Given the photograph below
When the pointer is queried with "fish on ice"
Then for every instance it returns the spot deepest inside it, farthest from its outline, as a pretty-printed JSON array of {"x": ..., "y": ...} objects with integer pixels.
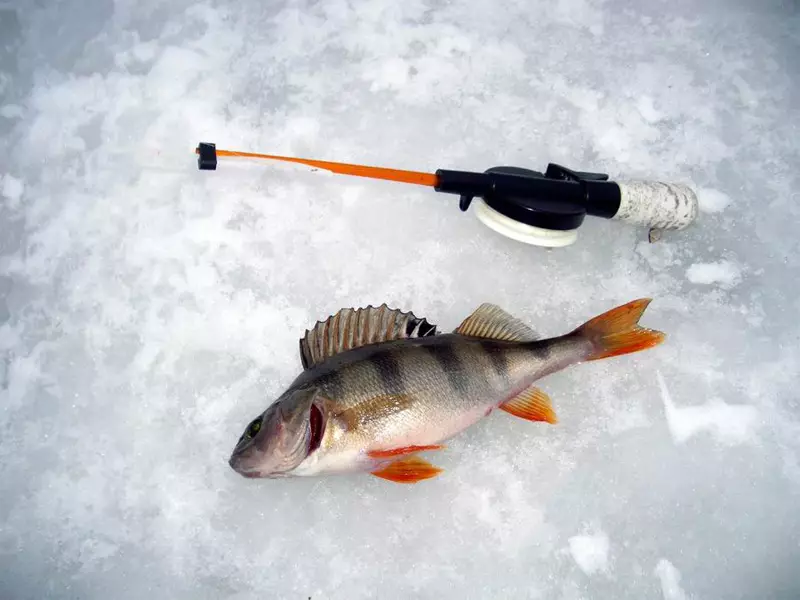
[{"x": 380, "y": 385}]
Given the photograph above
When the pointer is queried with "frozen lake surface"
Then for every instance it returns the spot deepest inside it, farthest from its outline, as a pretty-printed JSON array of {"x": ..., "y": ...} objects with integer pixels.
[{"x": 148, "y": 311}]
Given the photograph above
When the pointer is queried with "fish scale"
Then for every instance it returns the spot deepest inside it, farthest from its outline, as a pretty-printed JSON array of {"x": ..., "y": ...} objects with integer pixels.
[{"x": 384, "y": 388}]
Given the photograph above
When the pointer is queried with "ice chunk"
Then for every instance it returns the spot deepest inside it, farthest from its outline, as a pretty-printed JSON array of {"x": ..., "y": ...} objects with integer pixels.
[
  {"x": 590, "y": 552},
  {"x": 711, "y": 200},
  {"x": 11, "y": 188},
  {"x": 10, "y": 111},
  {"x": 390, "y": 74},
  {"x": 728, "y": 424},
  {"x": 725, "y": 273},
  {"x": 670, "y": 579},
  {"x": 648, "y": 110}
]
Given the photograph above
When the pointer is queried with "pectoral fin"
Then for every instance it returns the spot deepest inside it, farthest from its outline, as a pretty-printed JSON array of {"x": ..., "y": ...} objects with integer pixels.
[
  {"x": 531, "y": 404},
  {"x": 409, "y": 469}
]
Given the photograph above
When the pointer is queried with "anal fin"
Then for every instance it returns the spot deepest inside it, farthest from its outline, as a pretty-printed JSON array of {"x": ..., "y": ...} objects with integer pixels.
[
  {"x": 409, "y": 469},
  {"x": 531, "y": 404}
]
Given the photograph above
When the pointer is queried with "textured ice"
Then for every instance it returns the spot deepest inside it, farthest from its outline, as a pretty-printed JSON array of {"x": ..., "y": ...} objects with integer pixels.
[{"x": 148, "y": 310}]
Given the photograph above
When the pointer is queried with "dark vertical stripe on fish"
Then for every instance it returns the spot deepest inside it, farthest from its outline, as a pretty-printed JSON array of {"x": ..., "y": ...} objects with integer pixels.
[
  {"x": 389, "y": 371},
  {"x": 333, "y": 383},
  {"x": 497, "y": 354},
  {"x": 541, "y": 348},
  {"x": 451, "y": 364}
]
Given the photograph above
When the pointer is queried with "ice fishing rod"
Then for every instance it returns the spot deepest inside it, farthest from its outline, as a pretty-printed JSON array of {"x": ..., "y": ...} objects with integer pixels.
[{"x": 543, "y": 209}]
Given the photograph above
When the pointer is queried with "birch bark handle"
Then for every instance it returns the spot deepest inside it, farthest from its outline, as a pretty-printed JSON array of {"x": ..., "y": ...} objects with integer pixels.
[{"x": 656, "y": 205}]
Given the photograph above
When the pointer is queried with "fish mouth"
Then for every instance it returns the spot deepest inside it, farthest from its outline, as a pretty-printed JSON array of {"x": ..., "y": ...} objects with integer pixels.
[
  {"x": 244, "y": 467},
  {"x": 250, "y": 474},
  {"x": 236, "y": 465}
]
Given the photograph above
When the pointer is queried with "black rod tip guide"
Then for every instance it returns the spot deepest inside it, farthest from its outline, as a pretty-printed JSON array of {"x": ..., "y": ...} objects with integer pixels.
[{"x": 207, "y": 157}]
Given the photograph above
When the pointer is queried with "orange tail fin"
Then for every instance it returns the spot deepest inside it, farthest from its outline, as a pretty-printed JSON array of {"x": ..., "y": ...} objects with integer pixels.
[{"x": 617, "y": 331}]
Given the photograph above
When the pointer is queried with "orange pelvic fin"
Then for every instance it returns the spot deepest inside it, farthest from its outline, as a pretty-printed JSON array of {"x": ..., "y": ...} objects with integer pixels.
[
  {"x": 617, "y": 331},
  {"x": 410, "y": 469},
  {"x": 401, "y": 451},
  {"x": 531, "y": 404}
]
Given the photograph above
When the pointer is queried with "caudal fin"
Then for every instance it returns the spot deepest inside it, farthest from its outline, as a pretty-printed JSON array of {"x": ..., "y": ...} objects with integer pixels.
[{"x": 617, "y": 331}]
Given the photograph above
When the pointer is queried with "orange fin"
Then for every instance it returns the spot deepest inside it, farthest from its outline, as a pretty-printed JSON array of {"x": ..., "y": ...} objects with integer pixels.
[
  {"x": 492, "y": 322},
  {"x": 408, "y": 470},
  {"x": 400, "y": 451},
  {"x": 531, "y": 404},
  {"x": 617, "y": 331}
]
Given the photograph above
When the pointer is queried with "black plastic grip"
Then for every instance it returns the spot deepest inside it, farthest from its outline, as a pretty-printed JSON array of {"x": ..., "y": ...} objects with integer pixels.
[
  {"x": 601, "y": 198},
  {"x": 521, "y": 190},
  {"x": 464, "y": 183}
]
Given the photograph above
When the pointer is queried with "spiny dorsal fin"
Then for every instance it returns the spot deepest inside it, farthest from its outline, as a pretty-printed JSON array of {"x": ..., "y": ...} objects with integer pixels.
[
  {"x": 492, "y": 322},
  {"x": 352, "y": 328}
]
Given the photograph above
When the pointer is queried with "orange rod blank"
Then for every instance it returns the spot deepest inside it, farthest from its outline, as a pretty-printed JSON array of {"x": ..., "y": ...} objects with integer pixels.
[{"x": 400, "y": 175}]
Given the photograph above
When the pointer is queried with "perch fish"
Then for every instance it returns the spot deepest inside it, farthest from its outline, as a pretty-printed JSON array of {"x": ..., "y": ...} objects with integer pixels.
[{"x": 380, "y": 385}]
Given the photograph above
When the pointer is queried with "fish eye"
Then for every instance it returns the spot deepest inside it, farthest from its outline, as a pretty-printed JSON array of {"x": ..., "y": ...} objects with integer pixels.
[{"x": 254, "y": 427}]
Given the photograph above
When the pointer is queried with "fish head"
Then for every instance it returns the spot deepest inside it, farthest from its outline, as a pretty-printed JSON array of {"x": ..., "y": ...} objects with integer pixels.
[{"x": 282, "y": 437}]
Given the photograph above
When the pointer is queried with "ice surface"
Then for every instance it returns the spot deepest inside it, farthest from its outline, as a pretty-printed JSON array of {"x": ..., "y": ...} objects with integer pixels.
[{"x": 148, "y": 310}]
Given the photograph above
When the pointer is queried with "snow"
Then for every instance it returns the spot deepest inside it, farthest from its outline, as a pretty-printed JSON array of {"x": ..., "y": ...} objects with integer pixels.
[
  {"x": 148, "y": 311},
  {"x": 590, "y": 552},
  {"x": 724, "y": 272},
  {"x": 729, "y": 424},
  {"x": 712, "y": 201},
  {"x": 11, "y": 189},
  {"x": 10, "y": 111},
  {"x": 670, "y": 579}
]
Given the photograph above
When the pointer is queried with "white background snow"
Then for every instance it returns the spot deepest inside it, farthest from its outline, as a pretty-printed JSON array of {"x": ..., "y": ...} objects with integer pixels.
[{"x": 149, "y": 310}]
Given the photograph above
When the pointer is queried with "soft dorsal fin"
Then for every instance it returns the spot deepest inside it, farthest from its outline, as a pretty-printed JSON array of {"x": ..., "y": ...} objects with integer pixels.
[
  {"x": 492, "y": 322},
  {"x": 352, "y": 328}
]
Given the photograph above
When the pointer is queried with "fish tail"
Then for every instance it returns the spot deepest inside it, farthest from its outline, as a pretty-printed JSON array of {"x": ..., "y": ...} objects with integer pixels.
[{"x": 617, "y": 331}]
